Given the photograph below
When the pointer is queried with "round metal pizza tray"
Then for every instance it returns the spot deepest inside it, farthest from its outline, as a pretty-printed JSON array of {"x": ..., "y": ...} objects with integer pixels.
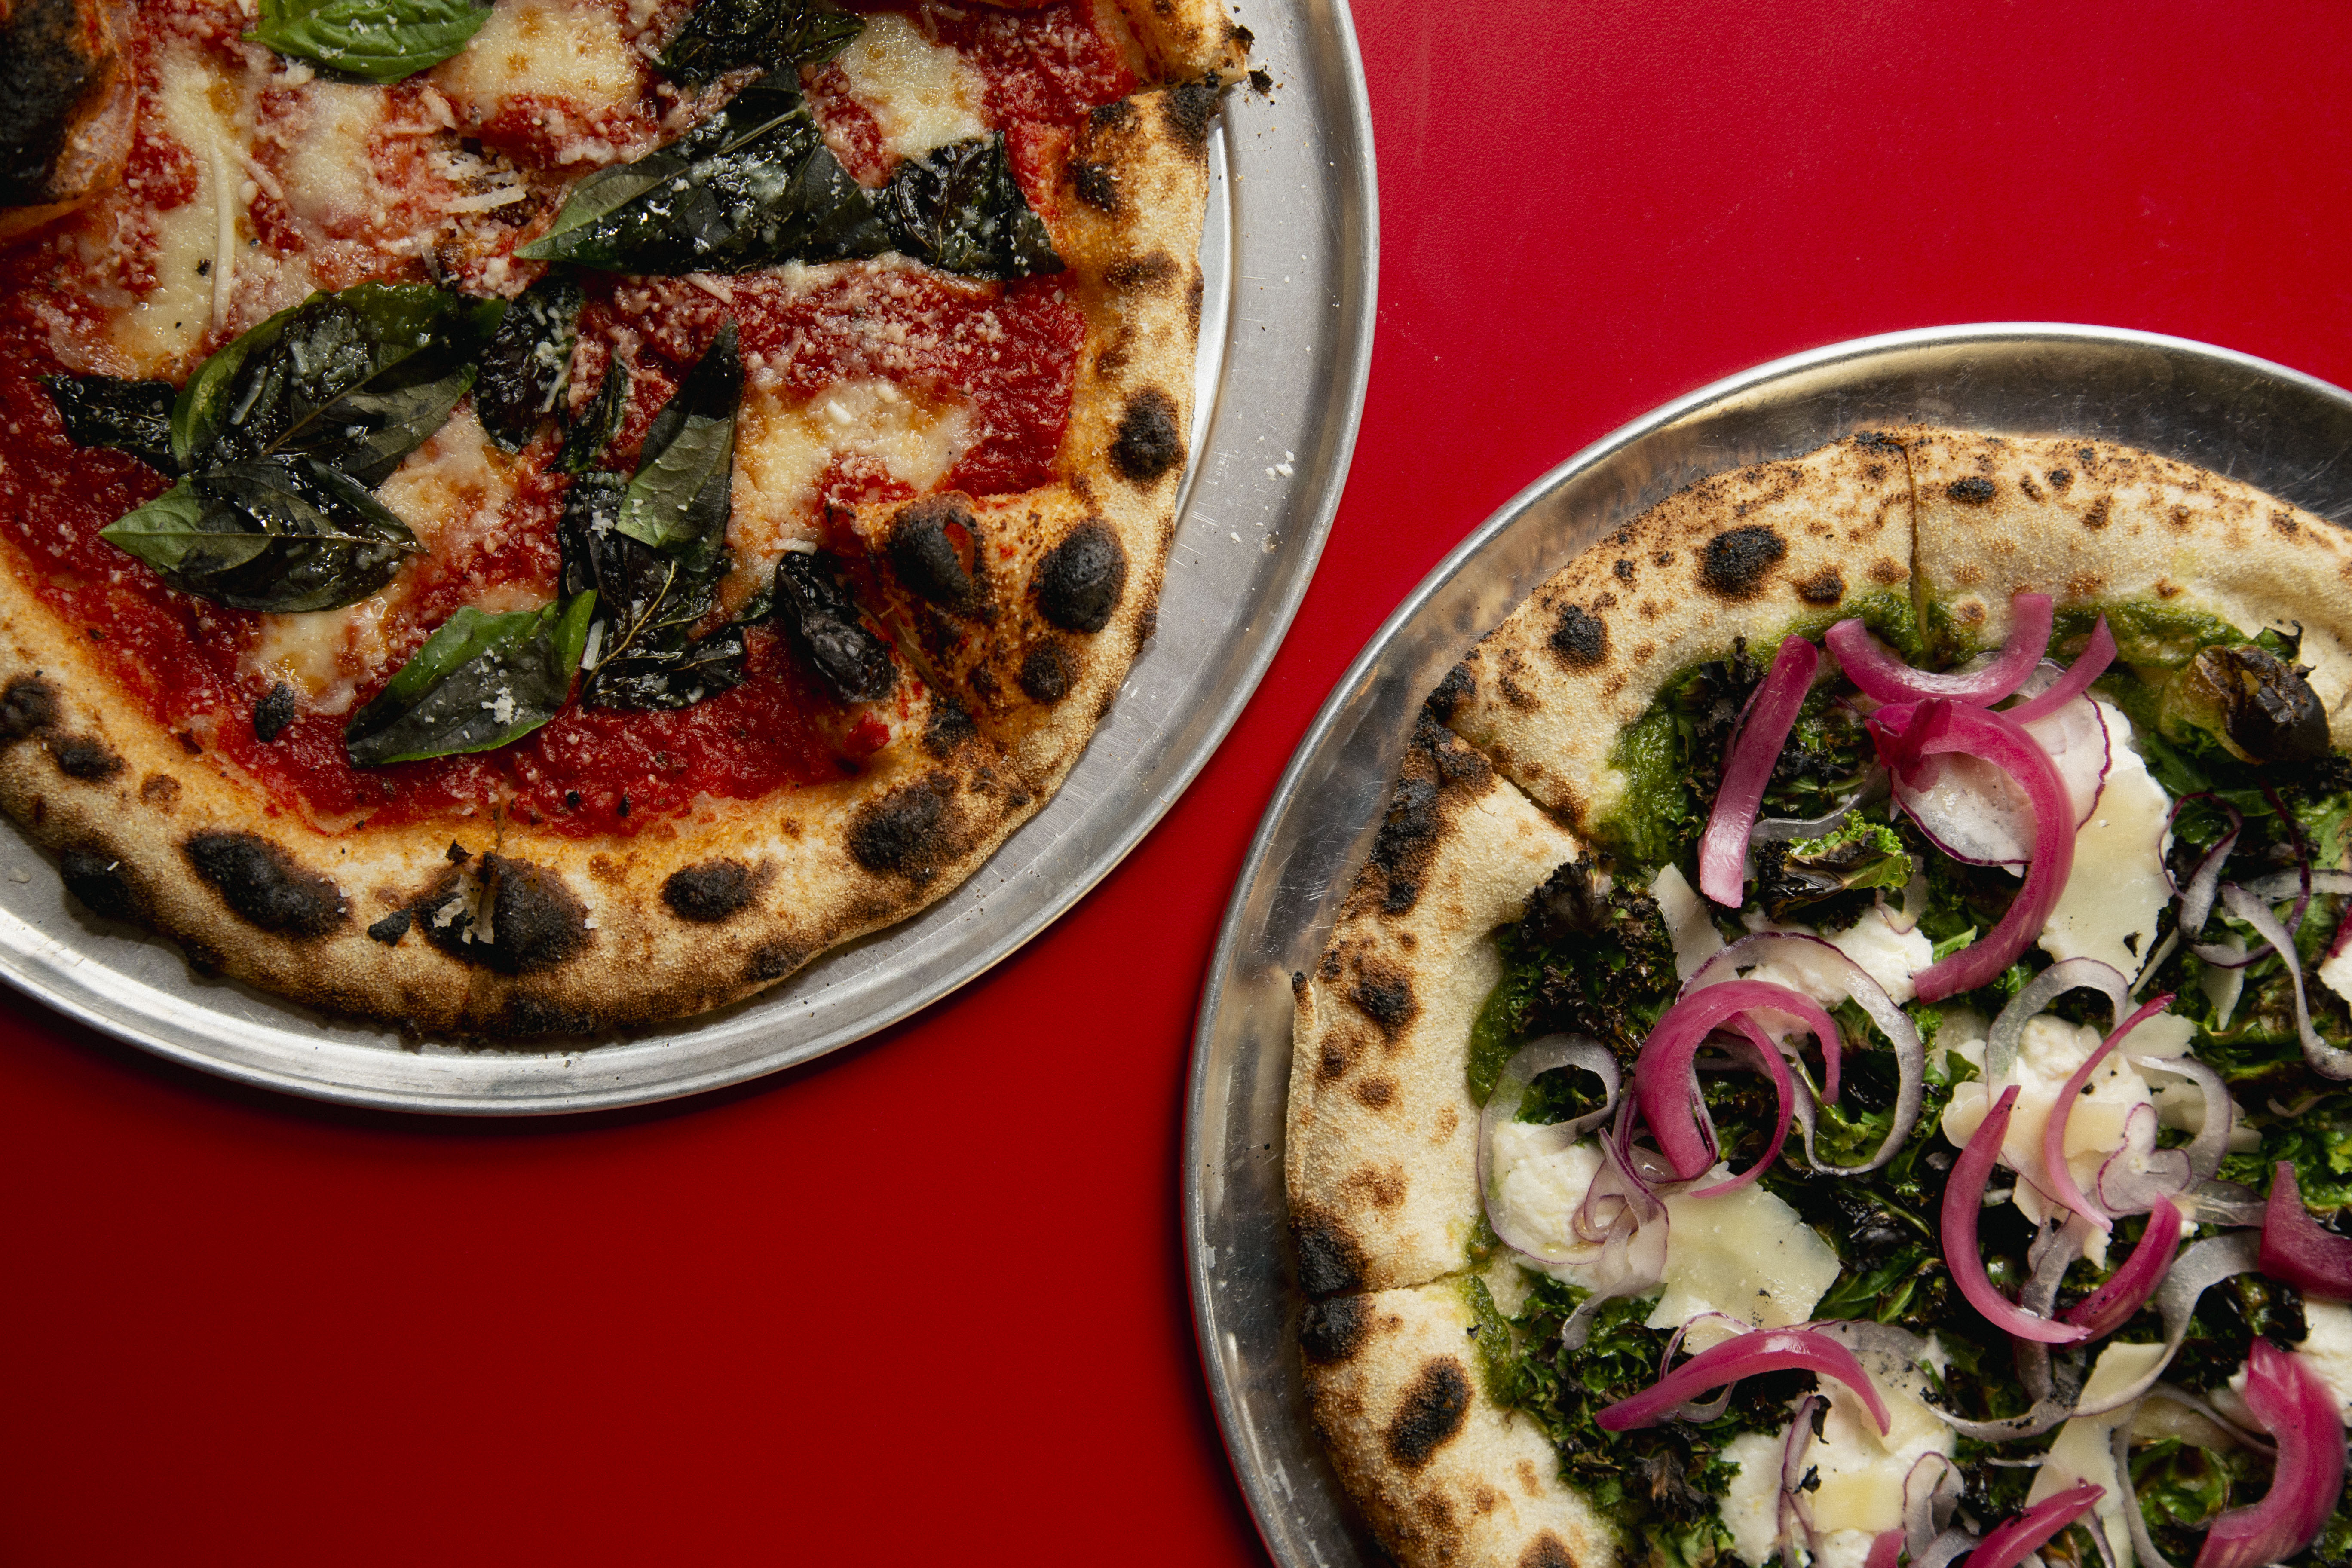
[
  {"x": 2287, "y": 433},
  {"x": 1289, "y": 256}
]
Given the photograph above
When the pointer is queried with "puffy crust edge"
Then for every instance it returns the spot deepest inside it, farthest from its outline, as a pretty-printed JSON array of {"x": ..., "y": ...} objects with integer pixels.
[
  {"x": 1745, "y": 553},
  {"x": 1445, "y": 1474},
  {"x": 1381, "y": 1152}
]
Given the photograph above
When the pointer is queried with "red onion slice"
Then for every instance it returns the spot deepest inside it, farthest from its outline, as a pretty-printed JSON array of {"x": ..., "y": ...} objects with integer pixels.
[
  {"x": 2299, "y": 1411},
  {"x": 1625, "y": 1217},
  {"x": 2143, "y": 1548},
  {"x": 2013, "y": 1541},
  {"x": 2197, "y": 1269},
  {"x": 2205, "y": 1152},
  {"x": 1763, "y": 731},
  {"x": 2088, "y": 665},
  {"x": 1784, "y": 1092},
  {"x": 2300, "y": 1250},
  {"x": 1931, "y": 1491},
  {"x": 1963, "y": 1198},
  {"x": 2288, "y": 884},
  {"x": 1878, "y": 672},
  {"x": 1503, "y": 1103},
  {"x": 1823, "y": 967},
  {"x": 1767, "y": 1350},
  {"x": 2325, "y": 1059},
  {"x": 1940, "y": 728},
  {"x": 2139, "y": 1172},
  {"x": 2060, "y": 1176},
  {"x": 2106, "y": 1309},
  {"x": 1666, "y": 1084},
  {"x": 1886, "y": 1550},
  {"x": 1796, "y": 1511},
  {"x": 2066, "y": 974},
  {"x": 1973, "y": 811}
]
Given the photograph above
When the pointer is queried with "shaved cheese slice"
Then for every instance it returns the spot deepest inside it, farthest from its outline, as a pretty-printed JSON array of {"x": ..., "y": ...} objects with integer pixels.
[
  {"x": 1744, "y": 1254},
  {"x": 570, "y": 55},
  {"x": 921, "y": 94},
  {"x": 2109, "y": 908},
  {"x": 1695, "y": 937}
]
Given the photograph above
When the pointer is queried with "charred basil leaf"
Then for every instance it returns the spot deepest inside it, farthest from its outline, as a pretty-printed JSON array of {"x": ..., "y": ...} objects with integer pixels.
[
  {"x": 375, "y": 40},
  {"x": 654, "y": 548},
  {"x": 959, "y": 208},
  {"x": 721, "y": 35},
  {"x": 817, "y": 613},
  {"x": 479, "y": 682},
  {"x": 753, "y": 184},
  {"x": 280, "y": 535},
  {"x": 528, "y": 362},
  {"x": 133, "y": 416},
  {"x": 679, "y": 500},
  {"x": 356, "y": 380},
  {"x": 586, "y": 438}
]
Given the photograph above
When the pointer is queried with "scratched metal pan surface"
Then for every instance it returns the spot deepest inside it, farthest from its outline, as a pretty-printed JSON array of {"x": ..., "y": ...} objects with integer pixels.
[
  {"x": 2287, "y": 433},
  {"x": 1289, "y": 261}
]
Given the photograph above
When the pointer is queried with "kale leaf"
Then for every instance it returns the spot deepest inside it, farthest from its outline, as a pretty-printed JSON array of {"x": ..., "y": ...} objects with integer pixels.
[{"x": 1825, "y": 879}]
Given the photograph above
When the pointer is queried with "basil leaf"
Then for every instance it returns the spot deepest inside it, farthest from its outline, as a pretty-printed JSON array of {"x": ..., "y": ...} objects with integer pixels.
[
  {"x": 586, "y": 438},
  {"x": 678, "y": 501},
  {"x": 753, "y": 184},
  {"x": 479, "y": 682},
  {"x": 720, "y": 34},
  {"x": 822, "y": 621},
  {"x": 280, "y": 535},
  {"x": 529, "y": 361},
  {"x": 376, "y": 40},
  {"x": 357, "y": 380},
  {"x": 643, "y": 652},
  {"x": 959, "y": 208},
  {"x": 133, "y": 416}
]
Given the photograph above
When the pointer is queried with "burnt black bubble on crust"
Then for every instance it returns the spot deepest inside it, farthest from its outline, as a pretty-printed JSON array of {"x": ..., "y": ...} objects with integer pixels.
[
  {"x": 1434, "y": 1409},
  {"x": 1081, "y": 580},
  {"x": 1974, "y": 490},
  {"x": 97, "y": 879},
  {"x": 1047, "y": 673},
  {"x": 1581, "y": 640},
  {"x": 1329, "y": 1261},
  {"x": 1191, "y": 106},
  {"x": 905, "y": 831},
  {"x": 1148, "y": 443},
  {"x": 265, "y": 884},
  {"x": 1332, "y": 1332},
  {"x": 27, "y": 707},
  {"x": 711, "y": 891},
  {"x": 923, "y": 551},
  {"x": 1096, "y": 186},
  {"x": 1735, "y": 561},
  {"x": 79, "y": 757},
  {"x": 536, "y": 923}
]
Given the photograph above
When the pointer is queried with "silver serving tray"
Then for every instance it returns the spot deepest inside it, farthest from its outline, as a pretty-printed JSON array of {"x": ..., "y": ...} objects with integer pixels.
[
  {"x": 1288, "y": 254},
  {"x": 2285, "y": 432}
]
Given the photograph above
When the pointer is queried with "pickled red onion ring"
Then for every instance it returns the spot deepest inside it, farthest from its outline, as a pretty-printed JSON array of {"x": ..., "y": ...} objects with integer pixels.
[
  {"x": 1963, "y": 1198},
  {"x": 2298, "y": 1410},
  {"x": 2091, "y": 664},
  {"x": 1665, "y": 1082},
  {"x": 2300, "y": 1250},
  {"x": 2105, "y": 1310},
  {"x": 1906, "y": 733},
  {"x": 1745, "y": 1355},
  {"x": 1763, "y": 731},
  {"x": 2013, "y": 1541},
  {"x": 2061, "y": 1184},
  {"x": 1878, "y": 672}
]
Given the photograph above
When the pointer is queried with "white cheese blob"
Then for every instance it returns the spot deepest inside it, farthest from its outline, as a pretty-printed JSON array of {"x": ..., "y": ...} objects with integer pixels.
[
  {"x": 569, "y": 55},
  {"x": 1695, "y": 937},
  {"x": 1538, "y": 1188},
  {"x": 1744, "y": 1254},
  {"x": 2082, "y": 1450},
  {"x": 2326, "y": 1347},
  {"x": 921, "y": 94},
  {"x": 1750, "y": 1509},
  {"x": 1889, "y": 956},
  {"x": 2118, "y": 888},
  {"x": 2047, "y": 1055},
  {"x": 201, "y": 112},
  {"x": 330, "y": 178},
  {"x": 2336, "y": 972}
]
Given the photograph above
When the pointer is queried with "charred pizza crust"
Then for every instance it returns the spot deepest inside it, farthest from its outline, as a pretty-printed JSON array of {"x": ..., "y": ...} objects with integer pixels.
[
  {"x": 501, "y": 929},
  {"x": 1954, "y": 523}
]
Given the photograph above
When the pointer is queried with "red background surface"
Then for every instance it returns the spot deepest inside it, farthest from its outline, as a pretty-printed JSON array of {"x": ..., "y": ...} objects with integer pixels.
[{"x": 926, "y": 1298}]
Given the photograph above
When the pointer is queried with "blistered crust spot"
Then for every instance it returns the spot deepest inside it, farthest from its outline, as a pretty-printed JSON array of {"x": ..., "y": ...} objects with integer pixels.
[
  {"x": 1385, "y": 995},
  {"x": 1434, "y": 1409},
  {"x": 161, "y": 791},
  {"x": 1329, "y": 1261},
  {"x": 1149, "y": 442},
  {"x": 1081, "y": 580},
  {"x": 1580, "y": 640},
  {"x": 905, "y": 831},
  {"x": 1152, "y": 274},
  {"x": 27, "y": 707},
  {"x": 1547, "y": 1551},
  {"x": 1824, "y": 587},
  {"x": 1047, "y": 673},
  {"x": 265, "y": 884},
  {"x": 1735, "y": 561},
  {"x": 1190, "y": 106},
  {"x": 924, "y": 551},
  {"x": 79, "y": 757},
  {"x": 100, "y": 882},
  {"x": 947, "y": 729},
  {"x": 713, "y": 891},
  {"x": 536, "y": 922},
  {"x": 1974, "y": 490},
  {"x": 774, "y": 961},
  {"x": 1332, "y": 1332},
  {"x": 1095, "y": 185},
  {"x": 1457, "y": 687}
]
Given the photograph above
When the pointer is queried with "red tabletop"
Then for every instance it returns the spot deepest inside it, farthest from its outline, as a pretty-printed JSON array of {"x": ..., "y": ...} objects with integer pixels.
[{"x": 925, "y": 1299}]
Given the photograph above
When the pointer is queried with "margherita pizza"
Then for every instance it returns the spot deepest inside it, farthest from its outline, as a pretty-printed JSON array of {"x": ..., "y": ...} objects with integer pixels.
[
  {"x": 1841, "y": 1050},
  {"x": 545, "y": 515}
]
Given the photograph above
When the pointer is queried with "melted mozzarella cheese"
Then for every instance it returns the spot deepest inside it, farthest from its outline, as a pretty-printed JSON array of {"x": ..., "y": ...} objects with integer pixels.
[
  {"x": 921, "y": 94},
  {"x": 328, "y": 177},
  {"x": 1889, "y": 956},
  {"x": 325, "y": 653},
  {"x": 1750, "y": 1510},
  {"x": 2118, "y": 888},
  {"x": 200, "y": 111},
  {"x": 1538, "y": 1188},
  {"x": 572, "y": 53},
  {"x": 1744, "y": 1254},
  {"x": 1695, "y": 937},
  {"x": 2326, "y": 1347}
]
